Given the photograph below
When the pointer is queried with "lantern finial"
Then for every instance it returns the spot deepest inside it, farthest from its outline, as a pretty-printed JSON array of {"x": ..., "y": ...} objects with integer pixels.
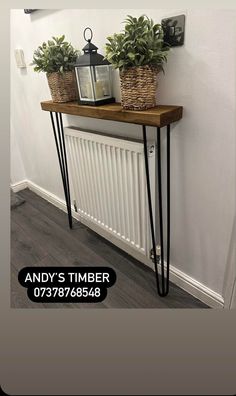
[{"x": 91, "y": 34}]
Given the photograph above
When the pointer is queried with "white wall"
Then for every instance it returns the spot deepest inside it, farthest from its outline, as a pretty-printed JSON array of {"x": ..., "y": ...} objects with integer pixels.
[{"x": 200, "y": 76}]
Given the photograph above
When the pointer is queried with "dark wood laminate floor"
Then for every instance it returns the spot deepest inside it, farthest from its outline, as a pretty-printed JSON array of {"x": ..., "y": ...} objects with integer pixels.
[{"x": 40, "y": 237}]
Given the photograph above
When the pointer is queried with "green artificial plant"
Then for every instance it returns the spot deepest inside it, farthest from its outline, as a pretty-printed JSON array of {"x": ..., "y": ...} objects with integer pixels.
[
  {"x": 141, "y": 43},
  {"x": 57, "y": 55}
]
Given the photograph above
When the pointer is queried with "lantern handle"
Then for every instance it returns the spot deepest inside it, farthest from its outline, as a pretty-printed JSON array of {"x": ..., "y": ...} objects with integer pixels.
[{"x": 91, "y": 33}]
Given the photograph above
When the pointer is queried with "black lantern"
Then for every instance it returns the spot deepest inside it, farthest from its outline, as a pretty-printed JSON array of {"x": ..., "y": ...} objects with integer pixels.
[{"x": 93, "y": 75}]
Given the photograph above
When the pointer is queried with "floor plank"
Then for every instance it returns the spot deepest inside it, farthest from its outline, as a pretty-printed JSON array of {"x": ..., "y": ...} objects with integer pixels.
[
  {"x": 41, "y": 237},
  {"x": 24, "y": 250}
]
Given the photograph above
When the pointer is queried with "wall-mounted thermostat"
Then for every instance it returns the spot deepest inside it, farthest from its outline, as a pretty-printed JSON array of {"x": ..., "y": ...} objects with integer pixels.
[
  {"x": 20, "y": 58},
  {"x": 174, "y": 29}
]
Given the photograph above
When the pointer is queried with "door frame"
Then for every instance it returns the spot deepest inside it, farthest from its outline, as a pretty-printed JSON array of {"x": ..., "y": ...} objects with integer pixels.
[{"x": 229, "y": 287}]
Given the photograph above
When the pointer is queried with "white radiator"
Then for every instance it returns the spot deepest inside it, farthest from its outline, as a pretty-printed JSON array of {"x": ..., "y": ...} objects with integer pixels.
[{"x": 108, "y": 187}]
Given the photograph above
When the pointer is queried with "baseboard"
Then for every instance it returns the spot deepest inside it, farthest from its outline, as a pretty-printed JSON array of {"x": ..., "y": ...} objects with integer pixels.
[
  {"x": 48, "y": 196},
  {"x": 196, "y": 289},
  {"x": 19, "y": 185},
  {"x": 184, "y": 281}
]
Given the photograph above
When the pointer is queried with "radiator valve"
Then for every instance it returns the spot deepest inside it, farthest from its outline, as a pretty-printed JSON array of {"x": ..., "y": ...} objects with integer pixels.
[
  {"x": 158, "y": 254},
  {"x": 75, "y": 206}
]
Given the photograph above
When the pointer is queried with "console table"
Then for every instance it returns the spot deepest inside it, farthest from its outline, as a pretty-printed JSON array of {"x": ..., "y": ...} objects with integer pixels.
[{"x": 160, "y": 116}]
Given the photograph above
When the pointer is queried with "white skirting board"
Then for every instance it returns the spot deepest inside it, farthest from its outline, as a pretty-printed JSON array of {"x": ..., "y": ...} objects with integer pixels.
[
  {"x": 19, "y": 185},
  {"x": 184, "y": 281}
]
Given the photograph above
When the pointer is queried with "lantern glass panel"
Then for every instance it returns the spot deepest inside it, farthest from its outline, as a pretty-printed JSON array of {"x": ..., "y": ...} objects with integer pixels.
[
  {"x": 102, "y": 82},
  {"x": 85, "y": 83}
]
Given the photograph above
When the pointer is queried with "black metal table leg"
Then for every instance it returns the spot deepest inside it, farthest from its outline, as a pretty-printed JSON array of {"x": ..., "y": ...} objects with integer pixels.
[
  {"x": 168, "y": 210},
  {"x": 61, "y": 152},
  {"x": 159, "y": 178},
  {"x": 150, "y": 209},
  {"x": 164, "y": 288}
]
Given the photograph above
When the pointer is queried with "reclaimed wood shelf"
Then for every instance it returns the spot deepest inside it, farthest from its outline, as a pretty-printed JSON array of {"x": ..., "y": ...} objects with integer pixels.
[{"x": 158, "y": 116}]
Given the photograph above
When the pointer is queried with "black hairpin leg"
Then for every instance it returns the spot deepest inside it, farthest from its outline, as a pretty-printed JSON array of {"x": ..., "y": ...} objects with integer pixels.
[
  {"x": 163, "y": 287},
  {"x": 61, "y": 152}
]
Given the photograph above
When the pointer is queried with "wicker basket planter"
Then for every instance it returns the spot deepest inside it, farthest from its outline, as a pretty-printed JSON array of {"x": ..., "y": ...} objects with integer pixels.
[
  {"x": 138, "y": 87},
  {"x": 62, "y": 86}
]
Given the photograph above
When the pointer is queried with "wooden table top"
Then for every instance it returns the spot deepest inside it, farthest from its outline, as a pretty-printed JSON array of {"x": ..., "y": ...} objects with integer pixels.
[{"x": 158, "y": 116}]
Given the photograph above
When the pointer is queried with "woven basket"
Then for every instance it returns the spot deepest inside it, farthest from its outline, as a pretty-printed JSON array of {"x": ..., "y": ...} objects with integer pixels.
[
  {"x": 62, "y": 86},
  {"x": 138, "y": 87}
]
